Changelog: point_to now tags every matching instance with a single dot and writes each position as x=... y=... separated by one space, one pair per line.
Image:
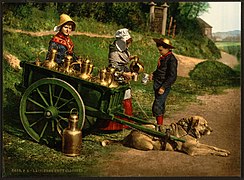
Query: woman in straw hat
x=164 y=76
x=61 y=41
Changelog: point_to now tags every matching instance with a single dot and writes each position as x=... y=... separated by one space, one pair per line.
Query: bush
x=214 y=51
x=214 y=73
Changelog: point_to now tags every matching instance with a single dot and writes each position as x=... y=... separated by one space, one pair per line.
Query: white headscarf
x=123 y=34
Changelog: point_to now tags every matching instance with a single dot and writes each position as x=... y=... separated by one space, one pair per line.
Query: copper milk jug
x=72 y=136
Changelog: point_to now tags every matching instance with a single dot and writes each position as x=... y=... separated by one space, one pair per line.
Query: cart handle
x=144 y=129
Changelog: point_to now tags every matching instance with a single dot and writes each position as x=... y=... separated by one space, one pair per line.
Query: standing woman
x=119 y=58
x=164 y=76
x=61 y=41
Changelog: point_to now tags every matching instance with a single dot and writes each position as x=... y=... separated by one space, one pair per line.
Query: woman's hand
x=127 y=75
x=133 y=57
x=161 y=91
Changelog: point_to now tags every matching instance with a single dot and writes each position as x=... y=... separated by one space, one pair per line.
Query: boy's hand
x=161 y=91
x=151 y=77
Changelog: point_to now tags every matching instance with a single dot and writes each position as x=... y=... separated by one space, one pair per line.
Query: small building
x=206 y=28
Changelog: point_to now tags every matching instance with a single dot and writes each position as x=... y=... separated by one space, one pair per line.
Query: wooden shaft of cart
x=140 y=127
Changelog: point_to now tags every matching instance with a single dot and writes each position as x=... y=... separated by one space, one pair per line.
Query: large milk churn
x=72 y=136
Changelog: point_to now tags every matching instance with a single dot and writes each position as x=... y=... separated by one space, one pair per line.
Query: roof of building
x=203 y=23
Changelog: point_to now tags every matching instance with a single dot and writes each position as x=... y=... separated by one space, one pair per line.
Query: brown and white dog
x=189 y=129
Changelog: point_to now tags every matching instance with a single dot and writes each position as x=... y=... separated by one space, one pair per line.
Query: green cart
x=48 y=97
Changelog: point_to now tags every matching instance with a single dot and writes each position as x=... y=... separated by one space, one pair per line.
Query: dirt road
x=223 y=114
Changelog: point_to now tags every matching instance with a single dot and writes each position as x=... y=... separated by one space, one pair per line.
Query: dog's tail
x=109 y=142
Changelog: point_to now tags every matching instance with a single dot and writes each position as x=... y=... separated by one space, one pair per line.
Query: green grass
x=24 y=158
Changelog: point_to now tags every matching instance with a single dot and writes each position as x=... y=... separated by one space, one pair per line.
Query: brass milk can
x=90 y=69
x=38 y=62
x=136 y=65
x=68 y=66
x=102 y=76
x=51 y=64
x=79 y=62
x=72 y=136
x=86 y=69
x=112 y=82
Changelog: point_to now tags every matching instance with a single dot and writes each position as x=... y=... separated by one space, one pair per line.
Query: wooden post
x=170 y=24
x=165 y=8
x=174 y=27
x=152 y=14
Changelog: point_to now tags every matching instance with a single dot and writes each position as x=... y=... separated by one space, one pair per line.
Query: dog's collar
x=188 y=130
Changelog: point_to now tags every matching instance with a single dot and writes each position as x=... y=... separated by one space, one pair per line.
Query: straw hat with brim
x=64 y=18
x=164 y=42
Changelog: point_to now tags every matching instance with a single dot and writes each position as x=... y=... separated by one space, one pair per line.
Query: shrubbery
x=214 y=73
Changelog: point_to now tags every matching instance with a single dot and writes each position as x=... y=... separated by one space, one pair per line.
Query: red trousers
x=160 y=120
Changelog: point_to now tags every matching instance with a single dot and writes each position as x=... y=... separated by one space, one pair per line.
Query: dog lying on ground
x=188 y=129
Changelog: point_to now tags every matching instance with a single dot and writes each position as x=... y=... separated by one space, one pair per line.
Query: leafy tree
x=191 y=10
x=133 y=15
x=185 y=14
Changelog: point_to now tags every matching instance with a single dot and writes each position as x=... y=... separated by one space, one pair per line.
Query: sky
x=223 y=16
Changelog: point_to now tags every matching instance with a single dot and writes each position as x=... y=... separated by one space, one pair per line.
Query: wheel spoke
x=43 y=130
x=64 y=112
x=59 y=126
x=61 y=91
x=44 y=100
x=39 y=120
x=50 y=94
x=34 y=112
x=66 y=103
x=36 y=103
x=63 y=118
x=52 y=126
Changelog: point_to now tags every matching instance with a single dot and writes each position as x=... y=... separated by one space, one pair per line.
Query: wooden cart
x=49 y=95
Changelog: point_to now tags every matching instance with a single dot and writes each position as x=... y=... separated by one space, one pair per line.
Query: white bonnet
x=56 y=28
x=123 y=34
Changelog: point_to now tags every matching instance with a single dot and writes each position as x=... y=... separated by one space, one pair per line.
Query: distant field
x=233 y=48
x=222 y=44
